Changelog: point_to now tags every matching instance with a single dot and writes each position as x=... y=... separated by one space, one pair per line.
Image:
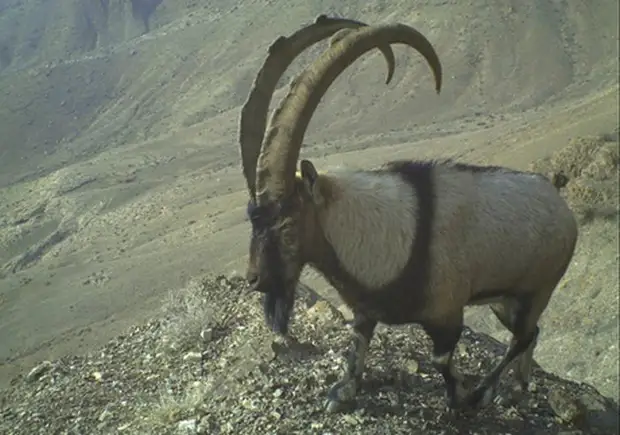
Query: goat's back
x=503 y=230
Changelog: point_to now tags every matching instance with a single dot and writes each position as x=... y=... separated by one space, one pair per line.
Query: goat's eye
x=263 y=216
x=258 y=221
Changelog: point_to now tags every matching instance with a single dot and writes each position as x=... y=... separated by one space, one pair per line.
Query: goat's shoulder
x=368 y=185
x=371 y=214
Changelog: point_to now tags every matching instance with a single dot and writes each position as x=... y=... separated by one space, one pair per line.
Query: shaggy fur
x=519 y=212
x=369 y=224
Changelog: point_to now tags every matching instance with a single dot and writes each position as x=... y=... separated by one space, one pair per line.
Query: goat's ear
x=310 y=177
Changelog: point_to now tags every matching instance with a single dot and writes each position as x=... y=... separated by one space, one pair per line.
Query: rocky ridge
x=208 y=365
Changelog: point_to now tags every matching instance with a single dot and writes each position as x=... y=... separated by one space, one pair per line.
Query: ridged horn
x=278 y=158
x=282 y=53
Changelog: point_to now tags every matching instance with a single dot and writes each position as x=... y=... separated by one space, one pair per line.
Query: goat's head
x=253 y=118
x=284 y=208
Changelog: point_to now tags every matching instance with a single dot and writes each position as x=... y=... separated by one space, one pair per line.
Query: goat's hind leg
x=343 y=393
x=505 y=312
x=520 y=316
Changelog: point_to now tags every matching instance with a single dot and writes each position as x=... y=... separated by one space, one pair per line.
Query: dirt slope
x=119 y=175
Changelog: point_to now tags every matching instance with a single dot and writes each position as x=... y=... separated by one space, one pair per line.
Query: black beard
x=278 y=310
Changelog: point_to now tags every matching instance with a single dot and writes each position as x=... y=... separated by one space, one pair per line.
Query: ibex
x=409 y=242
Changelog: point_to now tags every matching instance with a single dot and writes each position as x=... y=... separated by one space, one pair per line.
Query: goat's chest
x=392 y=305
x=405 y=299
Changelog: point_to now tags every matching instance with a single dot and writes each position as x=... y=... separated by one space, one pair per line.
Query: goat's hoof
x=335 y=406
x=342 y=395
x=456 y=407
x=452 y=410
x=522 y=388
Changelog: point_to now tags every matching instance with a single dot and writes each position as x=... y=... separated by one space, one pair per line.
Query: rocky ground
x=208 y=365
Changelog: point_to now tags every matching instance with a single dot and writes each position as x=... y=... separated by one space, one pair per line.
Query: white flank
x=371 y=225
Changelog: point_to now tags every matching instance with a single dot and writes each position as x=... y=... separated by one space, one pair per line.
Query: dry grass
x=187 y=312
x=197 y=312
x=174 y=407
x=591 y=165
x=194 y=316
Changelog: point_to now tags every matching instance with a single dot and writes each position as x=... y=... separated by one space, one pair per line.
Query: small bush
x=591 y=165
x=173 y=408
x=197 y=307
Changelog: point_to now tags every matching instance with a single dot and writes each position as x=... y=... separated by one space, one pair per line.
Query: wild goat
x=410 y=242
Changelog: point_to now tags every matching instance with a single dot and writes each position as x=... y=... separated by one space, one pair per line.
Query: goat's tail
x=559 y=179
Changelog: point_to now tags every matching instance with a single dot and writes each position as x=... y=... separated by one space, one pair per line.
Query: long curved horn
x=281 y=146
x=282 y=52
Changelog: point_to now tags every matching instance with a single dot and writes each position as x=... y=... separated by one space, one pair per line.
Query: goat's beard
x=278 y=307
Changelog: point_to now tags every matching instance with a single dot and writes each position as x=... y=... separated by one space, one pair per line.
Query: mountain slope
x=119 y=166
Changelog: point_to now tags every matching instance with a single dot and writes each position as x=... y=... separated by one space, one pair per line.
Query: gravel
x=229 y=375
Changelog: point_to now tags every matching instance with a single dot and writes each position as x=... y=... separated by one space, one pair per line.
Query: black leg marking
x=506 y=314
x=343 y=393
x=520 y=319
x=524 y=369
x=444 y=340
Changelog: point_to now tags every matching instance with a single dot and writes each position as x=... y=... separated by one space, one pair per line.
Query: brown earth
x=119 y=167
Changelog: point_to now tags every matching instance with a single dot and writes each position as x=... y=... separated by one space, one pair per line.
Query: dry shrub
x=206 y=303
x=604 y=165
x=591 y=164
x=173 y=408
x=572 y=159
x=591 y=192
x=613 y=136
x=187 y=312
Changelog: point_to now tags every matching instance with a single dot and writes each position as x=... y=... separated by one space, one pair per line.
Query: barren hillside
x=119 y=167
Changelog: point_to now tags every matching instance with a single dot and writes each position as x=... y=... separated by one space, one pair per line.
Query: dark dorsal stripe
x=402 y=300
x=478 y=169
x=474 y=168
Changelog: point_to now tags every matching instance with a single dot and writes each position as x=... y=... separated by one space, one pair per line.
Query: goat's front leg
x=445 y=335
x=343 y=393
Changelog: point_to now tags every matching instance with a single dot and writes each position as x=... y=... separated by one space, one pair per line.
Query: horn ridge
x=281 y=53
x=281 y=147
